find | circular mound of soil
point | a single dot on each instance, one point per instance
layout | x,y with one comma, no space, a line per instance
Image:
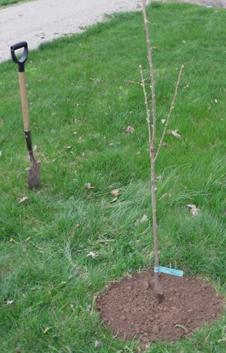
130,308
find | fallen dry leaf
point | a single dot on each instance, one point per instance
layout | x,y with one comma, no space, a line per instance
115,192
46,330
89,186
130,130
23,199
97,344
114,199
182,327
175,133
92,254
9,302
143,220
72,307
194,210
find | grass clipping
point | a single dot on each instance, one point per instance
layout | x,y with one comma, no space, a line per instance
154,145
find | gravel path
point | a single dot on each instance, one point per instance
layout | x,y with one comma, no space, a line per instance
41,21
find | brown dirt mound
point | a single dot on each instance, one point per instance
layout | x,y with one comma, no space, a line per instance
130,308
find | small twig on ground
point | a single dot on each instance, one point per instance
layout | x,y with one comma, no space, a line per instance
93,304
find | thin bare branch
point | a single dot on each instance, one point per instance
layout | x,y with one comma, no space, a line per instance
146,103
170,112
151,71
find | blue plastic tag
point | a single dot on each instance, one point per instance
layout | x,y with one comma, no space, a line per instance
169,271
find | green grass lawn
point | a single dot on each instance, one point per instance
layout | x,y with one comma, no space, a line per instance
82,100
10,2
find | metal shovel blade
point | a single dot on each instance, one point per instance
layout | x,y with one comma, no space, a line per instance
34,175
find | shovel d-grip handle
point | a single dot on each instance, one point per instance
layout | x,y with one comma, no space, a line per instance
22,58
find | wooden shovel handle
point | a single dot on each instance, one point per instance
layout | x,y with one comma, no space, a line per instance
24,101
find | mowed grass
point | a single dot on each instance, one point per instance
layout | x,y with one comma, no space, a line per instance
9,2
83,94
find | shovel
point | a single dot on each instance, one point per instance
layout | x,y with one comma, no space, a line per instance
20,59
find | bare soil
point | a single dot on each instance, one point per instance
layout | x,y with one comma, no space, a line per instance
130,309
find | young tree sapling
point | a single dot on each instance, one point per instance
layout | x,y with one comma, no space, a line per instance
154,147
